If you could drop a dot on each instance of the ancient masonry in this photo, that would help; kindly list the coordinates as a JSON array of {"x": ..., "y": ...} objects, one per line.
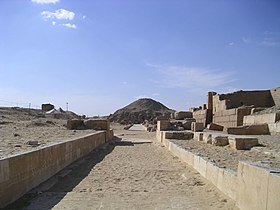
[{"x": 229, "y": 110}]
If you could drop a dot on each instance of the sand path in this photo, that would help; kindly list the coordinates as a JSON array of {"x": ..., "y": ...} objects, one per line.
[{"x": 133, "y": 173}]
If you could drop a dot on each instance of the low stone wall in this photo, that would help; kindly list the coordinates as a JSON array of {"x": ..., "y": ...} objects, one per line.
[
  {"x": 252, "y": 187},
  {"x": 22, "y": 172},
  {"x": 231, "y": 117},
  {"x": 261, "y": 118}
]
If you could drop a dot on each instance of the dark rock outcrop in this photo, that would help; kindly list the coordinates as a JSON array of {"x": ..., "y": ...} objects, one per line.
[{"x": 139, "y": 111}]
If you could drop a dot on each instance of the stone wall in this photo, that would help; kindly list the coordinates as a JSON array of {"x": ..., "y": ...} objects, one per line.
[
  {"x": 22, "y": 172},
  {"x": 275, "y": 92},
  {"x": 231, "y": 117},
  {"x": 252, "y": 187},
  {"x": 260, "y": 98}
]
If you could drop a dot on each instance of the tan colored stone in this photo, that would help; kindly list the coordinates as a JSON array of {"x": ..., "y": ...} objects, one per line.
[
  {"x": 219, "y": 140},
  {"x": 261, "y": 129},
  {"x": 196, "y": 126},
  {"x": 215, "y": 127},
  {"x": 182, "y": 115},
  {"x": 75, "y": 124},
  {"x": 242, "y": 142}
]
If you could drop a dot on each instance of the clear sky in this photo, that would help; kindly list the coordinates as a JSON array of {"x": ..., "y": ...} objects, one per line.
[{"x": 100, "y": 55}]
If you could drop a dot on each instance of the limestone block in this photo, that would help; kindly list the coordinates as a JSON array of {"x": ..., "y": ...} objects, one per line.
[
  {"x": 198, "y": 136},
  {"x": 207, "y": 138},
  {"x": 261, "y": 129},
  {"x": 163, "y": 125},
  {"x": 274, "y": 128},
  {"x": 212, "y": 172},
  {"x": 261, "y": 118},
  {"x": 179, "y": 135},
  {"x": 219, "y": 140},
  {"x": 215, "y": 127},
  {"x": 228, "y": 182},
  {"x": 75, "y": 124},
  {"x": 273, "y": 195},
  {"x": 252, "y": 187},
  {"x": 182, "y": 115},
  {"x": 196, "y": 126},
  {"x": 97, "y": 124},
  {"x": 242, "y": 142}
]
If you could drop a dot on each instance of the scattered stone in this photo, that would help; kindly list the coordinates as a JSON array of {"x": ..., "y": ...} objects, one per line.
[
  {"x": 182, "y": 115},
  {"x": 215, "y": 127},
  {"x": 219, "y": 140},
  {"x": 261, "y": 129},
  {"x": 16, "y": 135},
  {"x": 196, "y": 126},
  {"x": 242, "y": 142},
  {"x": 76, "y": 124},
  {"x": 33, "y": 143}
]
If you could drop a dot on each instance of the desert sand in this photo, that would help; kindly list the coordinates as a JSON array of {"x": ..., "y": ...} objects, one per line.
[{"x": 131, "y": 173}]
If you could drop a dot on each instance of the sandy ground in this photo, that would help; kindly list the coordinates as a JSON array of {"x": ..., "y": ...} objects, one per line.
[
  {"x": 132, "y": 173},
  {"x": 267, "y": 153},
  {"x": 18, "y": 127}
]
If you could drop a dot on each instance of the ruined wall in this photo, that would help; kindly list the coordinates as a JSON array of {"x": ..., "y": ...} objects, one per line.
[
  {"x": 203, "y": 116},
  {"x": 260, "y": 98},
  {"x": 231, "y": 117},
  {"x": 275, "y": 92},
  {"x": 22, "y": 172}
]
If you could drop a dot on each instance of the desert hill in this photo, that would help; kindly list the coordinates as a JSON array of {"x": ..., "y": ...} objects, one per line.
[{"x": 139, "y": 111}]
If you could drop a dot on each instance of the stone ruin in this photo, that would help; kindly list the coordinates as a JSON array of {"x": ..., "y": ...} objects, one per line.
[{"x": 226, "y": 119}]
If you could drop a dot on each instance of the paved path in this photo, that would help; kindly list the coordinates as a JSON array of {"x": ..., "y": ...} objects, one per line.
[
  {"x": 137, "y": 127},
  {"x": 133, "y": 173}
]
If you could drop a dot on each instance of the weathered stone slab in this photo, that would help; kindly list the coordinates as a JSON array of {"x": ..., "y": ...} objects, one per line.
[
  {"x": 163, "y": 125},
  {"x": 182, "y": 115},
  {"x": 196, "y": 126},
  {"x": 75, "y": 124},
  {"x": 179, "y": 135},
  {"x": 242, "y": 142},
  {"x": 207, "y": 138},
  {"x": 219, "y": 140},
  {"x": 261, "y": 129},
  {"x": 261, "y": 118},
  {"x": 198, "y": 136},
  {"x": 97, "y": 124},
  {"x": 215, "y": 127}
]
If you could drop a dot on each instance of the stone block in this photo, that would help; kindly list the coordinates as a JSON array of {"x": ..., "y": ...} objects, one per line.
[
  {"x": 212, "y": 173},
  {"x": 273, "y": 195},
  {"x": 242, "y": 142},
  {"x": 228, "y": 182},
  {"x": 196, "y": 126},
  {"x": 198, "y": 136},
  {"x": 183, "y": 135},
  {"x": 219, "y": 140},
  {"x": 252, "y": 187},
  {"x": 182, "y": 115},
  {"x": 207, "y": 138},
  {"x": 97, "y": 124},
  {"x": 274, "y": 128},
  {"x": 215, "y": 127},
  {"x": 261, "y": 118},
  {"x": 163, "y": 125},
  {"x": 75, "y": 124},
  {"x": 261, "y": 129}
]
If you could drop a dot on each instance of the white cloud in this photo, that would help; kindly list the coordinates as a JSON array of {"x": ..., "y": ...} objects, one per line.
[
  {"x": 69, "y": 25},
  {"x": 60, "y": 14},
  {"x": 45, "y": 1},
  {"x": 231, "y": 43},
  {"x": 192, "y": 79},
  {"x": 84, "y": 17},
  {"x": 124, "y": 82},
  {"x": 53, "y": 23}
]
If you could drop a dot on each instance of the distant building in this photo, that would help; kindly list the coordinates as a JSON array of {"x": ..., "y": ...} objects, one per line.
[{"x": 47, "y": 107}]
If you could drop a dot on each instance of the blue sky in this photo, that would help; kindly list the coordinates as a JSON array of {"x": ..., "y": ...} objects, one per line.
[{"x": 100, "y": 55}]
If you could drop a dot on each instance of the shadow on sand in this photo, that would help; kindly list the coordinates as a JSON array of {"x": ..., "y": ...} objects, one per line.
[{"x": 51, "y": 192}]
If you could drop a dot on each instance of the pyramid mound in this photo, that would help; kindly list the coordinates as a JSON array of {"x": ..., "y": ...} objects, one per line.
[{"x": 139, "y": 111}]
